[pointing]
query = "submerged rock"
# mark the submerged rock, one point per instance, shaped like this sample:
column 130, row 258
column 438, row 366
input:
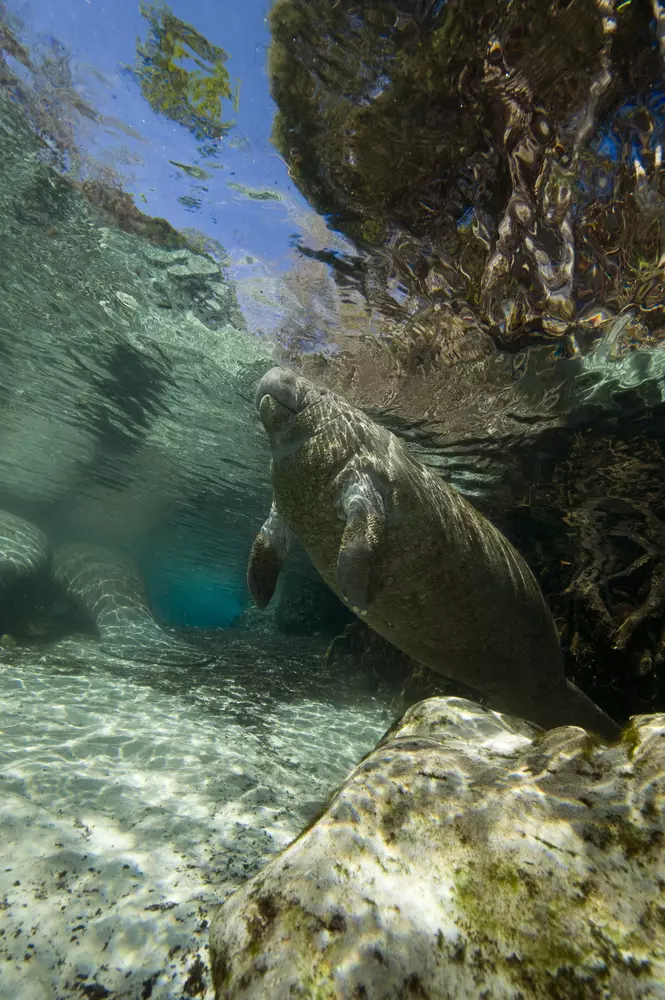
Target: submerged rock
column 468, row 855
column 106, row 587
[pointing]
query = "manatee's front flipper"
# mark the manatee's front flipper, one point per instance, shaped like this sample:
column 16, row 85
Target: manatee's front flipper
column 365, row 526
column 266, row 559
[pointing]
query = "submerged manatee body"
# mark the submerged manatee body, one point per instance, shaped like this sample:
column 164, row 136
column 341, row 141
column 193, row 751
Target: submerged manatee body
column 409, row 555
column 106, row 586
column 110, row 590
column 23, row 548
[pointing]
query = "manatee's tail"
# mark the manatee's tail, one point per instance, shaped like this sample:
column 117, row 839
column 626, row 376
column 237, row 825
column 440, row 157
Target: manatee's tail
column 571, row 707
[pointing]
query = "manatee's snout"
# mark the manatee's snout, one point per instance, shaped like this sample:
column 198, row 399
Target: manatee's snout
column 283, row 386
column 280, row 396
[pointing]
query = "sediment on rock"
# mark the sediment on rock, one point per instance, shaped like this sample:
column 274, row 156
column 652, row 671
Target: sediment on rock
column 467, row 855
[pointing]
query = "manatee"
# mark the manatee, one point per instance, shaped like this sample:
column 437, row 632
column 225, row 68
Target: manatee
column 24, row 548
column 409, row 555
column 110, row 590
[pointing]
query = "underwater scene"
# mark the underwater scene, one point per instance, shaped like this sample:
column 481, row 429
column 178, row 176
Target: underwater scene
column 332, row 499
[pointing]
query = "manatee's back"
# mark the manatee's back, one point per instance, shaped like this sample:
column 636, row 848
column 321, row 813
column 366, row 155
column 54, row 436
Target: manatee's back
column 457, row 596
column 460, row 598
column 447, row 588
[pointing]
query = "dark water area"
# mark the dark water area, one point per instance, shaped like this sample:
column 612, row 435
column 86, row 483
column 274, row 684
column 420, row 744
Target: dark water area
column 450, row 213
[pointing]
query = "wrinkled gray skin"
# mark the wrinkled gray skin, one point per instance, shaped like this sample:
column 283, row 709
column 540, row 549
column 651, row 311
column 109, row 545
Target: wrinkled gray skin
column 110, row 590
column 409, row 555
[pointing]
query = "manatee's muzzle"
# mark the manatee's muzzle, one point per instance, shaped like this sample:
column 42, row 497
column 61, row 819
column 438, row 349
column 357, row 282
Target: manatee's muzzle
column 274, row 415
column 283, row 386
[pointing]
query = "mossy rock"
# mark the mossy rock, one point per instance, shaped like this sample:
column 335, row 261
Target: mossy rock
column 468, row 855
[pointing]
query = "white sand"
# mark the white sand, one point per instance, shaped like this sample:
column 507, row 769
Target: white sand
column 131, row 805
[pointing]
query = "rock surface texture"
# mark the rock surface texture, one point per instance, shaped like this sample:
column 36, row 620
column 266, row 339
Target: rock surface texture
column 469, row 855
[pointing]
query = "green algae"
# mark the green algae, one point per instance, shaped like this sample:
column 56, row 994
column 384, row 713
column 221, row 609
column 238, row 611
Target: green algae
column 631, row 738
column 499, row 902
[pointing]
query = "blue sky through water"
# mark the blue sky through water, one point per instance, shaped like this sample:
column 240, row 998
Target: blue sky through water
column 101, row 37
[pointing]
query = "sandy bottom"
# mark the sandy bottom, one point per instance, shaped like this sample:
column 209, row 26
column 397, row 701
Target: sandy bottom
column 132, row 802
